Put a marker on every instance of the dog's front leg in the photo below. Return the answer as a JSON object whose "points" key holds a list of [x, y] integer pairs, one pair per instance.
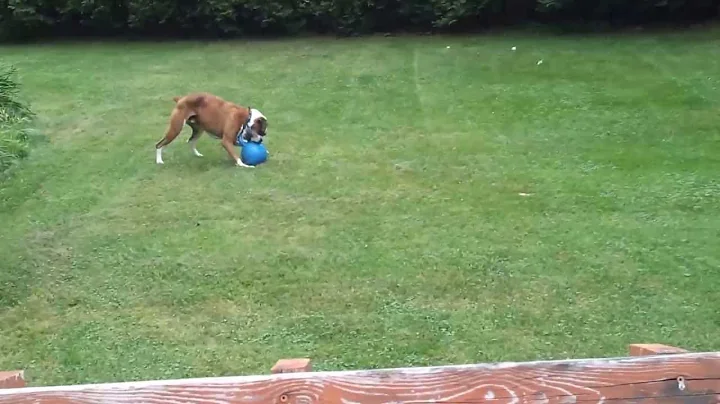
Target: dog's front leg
{"points": [[229, 147]]}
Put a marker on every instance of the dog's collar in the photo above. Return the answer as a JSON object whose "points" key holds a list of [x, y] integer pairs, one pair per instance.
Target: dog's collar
{"points": [[244, 127]]}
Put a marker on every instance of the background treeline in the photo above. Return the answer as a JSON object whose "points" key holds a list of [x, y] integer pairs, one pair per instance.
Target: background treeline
{"points": [[23, 19]]}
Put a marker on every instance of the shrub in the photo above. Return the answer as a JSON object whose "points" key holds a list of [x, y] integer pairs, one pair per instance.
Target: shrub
{"points": [[627, 11], [15, 117], [39, 18]]}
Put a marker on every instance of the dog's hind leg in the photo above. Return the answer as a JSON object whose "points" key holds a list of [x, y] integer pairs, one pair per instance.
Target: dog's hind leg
{"points": [[177, 119], [196, 133]]}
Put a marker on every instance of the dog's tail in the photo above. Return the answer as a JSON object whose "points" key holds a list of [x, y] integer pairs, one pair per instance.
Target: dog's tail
{"points": [[176, 99]]}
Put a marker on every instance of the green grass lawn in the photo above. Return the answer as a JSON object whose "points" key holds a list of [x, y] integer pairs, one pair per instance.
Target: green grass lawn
{"points": [[389, 227]]}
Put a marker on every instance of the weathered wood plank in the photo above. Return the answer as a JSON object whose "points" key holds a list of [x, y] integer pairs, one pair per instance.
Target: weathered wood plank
{"points": [[292, 366], [12, 379], [654, 349], [684, 378]]}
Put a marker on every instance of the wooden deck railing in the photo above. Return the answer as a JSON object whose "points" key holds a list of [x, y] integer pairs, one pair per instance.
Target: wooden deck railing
{"points": [[652, 374]]}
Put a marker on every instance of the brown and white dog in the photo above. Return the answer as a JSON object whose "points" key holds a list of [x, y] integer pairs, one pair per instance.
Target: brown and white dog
{"points": [[205, 112]]}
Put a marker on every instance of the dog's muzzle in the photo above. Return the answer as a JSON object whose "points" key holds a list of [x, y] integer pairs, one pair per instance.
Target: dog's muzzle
{"points": [[247, 134]]}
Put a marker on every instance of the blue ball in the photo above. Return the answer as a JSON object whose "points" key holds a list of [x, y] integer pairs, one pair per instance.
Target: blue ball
{"points": [[253, 153]]}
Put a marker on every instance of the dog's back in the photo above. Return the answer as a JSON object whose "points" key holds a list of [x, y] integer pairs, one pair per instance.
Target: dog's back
{"points": [[200, 103]]}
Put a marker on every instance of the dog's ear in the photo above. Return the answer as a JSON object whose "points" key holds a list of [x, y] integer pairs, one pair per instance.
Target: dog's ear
{"points": [[262, 125]]}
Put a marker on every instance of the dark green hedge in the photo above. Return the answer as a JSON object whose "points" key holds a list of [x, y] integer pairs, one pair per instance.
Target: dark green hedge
{"points": [[42, 18]]}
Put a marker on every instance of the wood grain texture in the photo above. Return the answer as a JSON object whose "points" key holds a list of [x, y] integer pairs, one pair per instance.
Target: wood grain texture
{"points": [[685, 378]]}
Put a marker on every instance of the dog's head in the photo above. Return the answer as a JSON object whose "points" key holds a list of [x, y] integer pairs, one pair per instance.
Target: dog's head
{"points": [[256, 128]]}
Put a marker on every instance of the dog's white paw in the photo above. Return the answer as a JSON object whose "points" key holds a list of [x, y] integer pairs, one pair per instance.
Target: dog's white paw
{"points": [[239, 163], [159, 162]]}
